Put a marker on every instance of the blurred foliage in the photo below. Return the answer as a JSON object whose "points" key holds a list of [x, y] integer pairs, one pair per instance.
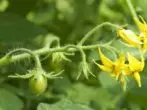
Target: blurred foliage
{"points": [[25, 23]]}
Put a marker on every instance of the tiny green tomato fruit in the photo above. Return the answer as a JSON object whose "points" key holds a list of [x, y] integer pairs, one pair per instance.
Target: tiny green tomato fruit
{"points": [[38, 84]]}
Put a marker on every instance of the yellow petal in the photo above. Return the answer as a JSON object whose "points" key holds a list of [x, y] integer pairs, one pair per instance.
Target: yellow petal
{"points": [[137, 78], [106, 62], [129, 37], [134, 64], [104, 68], [121, 59]]}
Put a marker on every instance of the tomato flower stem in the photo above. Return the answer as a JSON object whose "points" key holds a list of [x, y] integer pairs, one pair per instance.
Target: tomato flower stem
{"points": [[95, 29], [31, 53], [78, 48], [45, 50], [132, 10]]}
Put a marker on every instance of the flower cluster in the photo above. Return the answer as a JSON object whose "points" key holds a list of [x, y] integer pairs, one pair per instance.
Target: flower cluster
{"points": [[122, 67], [127, 65]]}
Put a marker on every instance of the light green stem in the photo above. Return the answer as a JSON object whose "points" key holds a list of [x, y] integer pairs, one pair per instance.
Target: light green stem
{"points": [[132, 10], [94, 30], [36, 58], [45, 50]]}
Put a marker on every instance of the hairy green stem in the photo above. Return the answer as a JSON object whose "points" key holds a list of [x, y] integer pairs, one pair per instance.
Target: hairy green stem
{"points": [[45, 50], [35, 56], [94, 30]]}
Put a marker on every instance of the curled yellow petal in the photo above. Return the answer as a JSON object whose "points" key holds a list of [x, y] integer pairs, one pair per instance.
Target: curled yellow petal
{"points": [[103, 68], [137, 78], [135, 64], [142, 26], [106, 62], [129, 37], [106, 69]]}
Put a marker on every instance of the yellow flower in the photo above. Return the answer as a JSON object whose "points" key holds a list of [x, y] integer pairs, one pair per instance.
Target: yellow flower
{"points": [[133, 68], [142, 26], [143, 32], [136, 67], [129, 37], [121, 69], [114, 68]]}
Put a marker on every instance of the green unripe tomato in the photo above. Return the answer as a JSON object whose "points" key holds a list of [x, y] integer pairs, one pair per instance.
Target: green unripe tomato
{"points": [[38, 84]]}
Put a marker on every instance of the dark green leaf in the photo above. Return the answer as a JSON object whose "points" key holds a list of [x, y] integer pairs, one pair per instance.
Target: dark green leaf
{"points": [[9, 101], [14, 28], [62, 105]]}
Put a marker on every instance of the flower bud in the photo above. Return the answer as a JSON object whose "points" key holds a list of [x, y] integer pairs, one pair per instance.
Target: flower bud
{"points": [[59, 56], [84, 68], [129, 37]]}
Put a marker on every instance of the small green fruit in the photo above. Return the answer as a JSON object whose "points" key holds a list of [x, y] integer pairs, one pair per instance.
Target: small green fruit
{"points": [[38, 84]]}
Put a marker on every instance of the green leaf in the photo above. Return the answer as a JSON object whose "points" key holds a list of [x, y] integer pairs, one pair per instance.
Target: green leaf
{"points": [[62, 105], [9, 101], [105, 80], [110, 83], [121, 46], [83, 94], [15, 28], [21, 7], [138, 95], [108, 10], [43, 16], [141, 7]]}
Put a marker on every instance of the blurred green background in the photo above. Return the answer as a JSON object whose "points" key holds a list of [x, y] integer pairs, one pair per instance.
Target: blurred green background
{"points": [[25, 23]]}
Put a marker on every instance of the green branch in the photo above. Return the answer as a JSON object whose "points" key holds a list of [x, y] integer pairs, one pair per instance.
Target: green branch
{"points": [[30, 54], [45, 50], [95, 29], [132, 10]]}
